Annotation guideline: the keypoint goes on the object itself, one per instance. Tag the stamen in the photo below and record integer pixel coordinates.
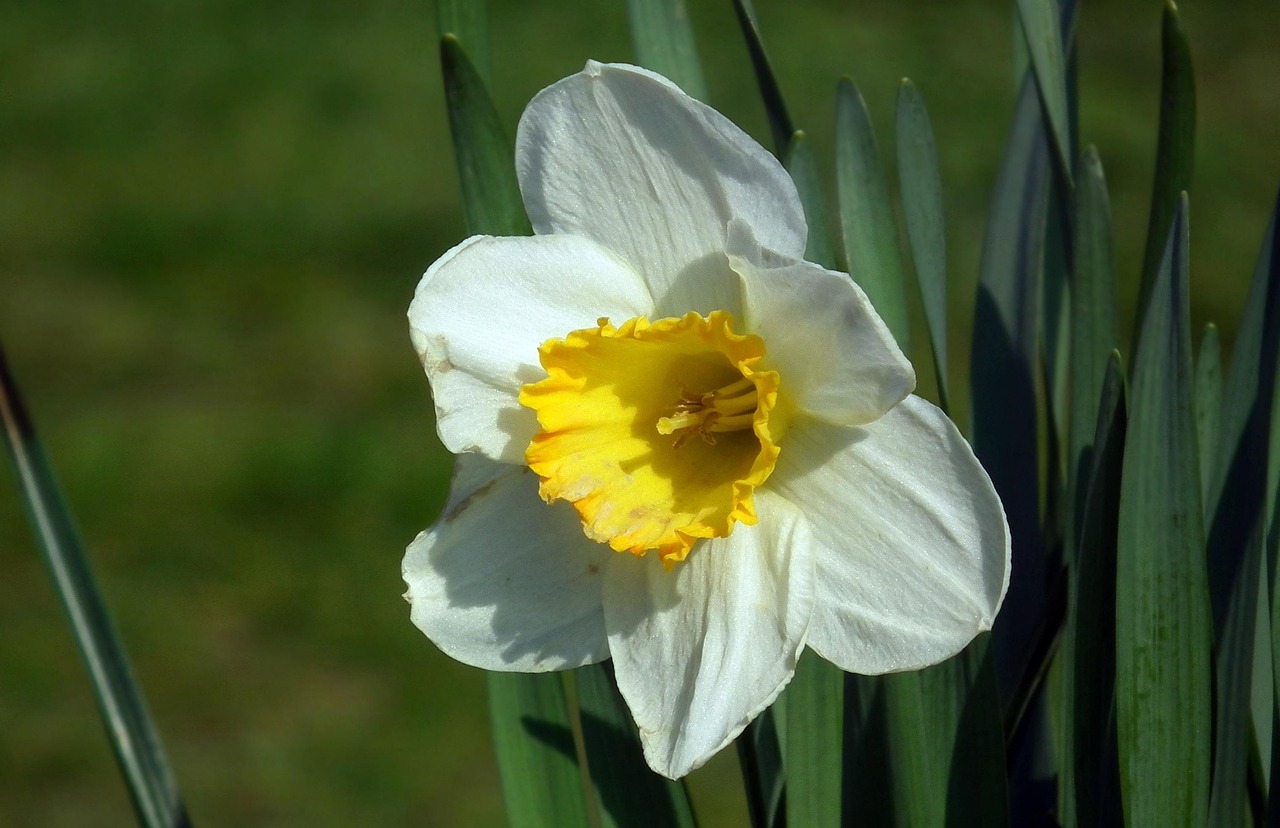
(731, 408)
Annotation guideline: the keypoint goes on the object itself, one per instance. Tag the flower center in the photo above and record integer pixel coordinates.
(619, 411)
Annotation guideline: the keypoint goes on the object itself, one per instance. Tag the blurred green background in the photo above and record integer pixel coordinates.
(212, 217)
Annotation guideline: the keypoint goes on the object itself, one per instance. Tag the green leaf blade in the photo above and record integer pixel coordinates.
(1095, 775)
(1175, 144)
(1236, 502)
(468, 22)
(491, 200)
(803, 166)
(663, 41)
(537, 759)
(920, 183)
(1163, 630)
(775, 107)
(814, 745)
(628, 793)
(130, 730)
(1043, 33)
(1093, 317)
(1003, 369)
(1208, 403)
(869, 233)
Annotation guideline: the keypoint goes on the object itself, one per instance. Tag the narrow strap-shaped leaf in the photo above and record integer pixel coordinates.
(134, 738)
(486, 166)
(803, 167)
(1271, 552)
(774, 106)
(867, 773)
(628, 793)
(663, 40)
(1002, 372)
(921, 187)
(528, 713)
(1208, 403)
(1175, 145)
(946, 743)
(1095, 772)
(763, 781)
(868, 231)
(1237, 505)
(468, 22)
(537, 759)
(1041, 26)
(1093, 318)
(814, 744)
(1163, 625)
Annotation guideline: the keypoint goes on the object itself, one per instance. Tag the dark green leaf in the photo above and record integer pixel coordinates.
(775, 108)
(663, 40)
(804, 172)
(486, 165)
(1002, 372)
(760, 757)
(134, 738)
(869, 233)
(1093, 317)
(468, 21)
(921, 186)
(1163, 621)
(1095, 773)
(537, 759)
(1175, 147)
(1236, 503)
(1041, 26)
(867, 774)
(1208, 403)
(628, 793)
(814, 749)
(946, 742)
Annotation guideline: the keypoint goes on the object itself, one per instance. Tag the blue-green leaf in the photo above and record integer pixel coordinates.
(1095, 775)
(1175, 146)
(627, 791)
(1208, 403)
(775, 108)
(1002, 372)
(537, 759)
(869, 234)
(946, 744)
(1093, 319)
(921, 187)
(486, 165)
(804, 172)
(1042, 29)
(663, 40)
(1236, 502)
(1163, 631)
(814, 746)
(134, 738)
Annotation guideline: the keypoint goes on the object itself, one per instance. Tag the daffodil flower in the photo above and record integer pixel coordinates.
(680, 445)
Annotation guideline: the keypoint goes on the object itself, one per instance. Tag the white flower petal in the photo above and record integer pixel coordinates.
(911, 552)
(504, 581)
(620, 155)
(701, 650)
(482, 310)
(836, 357)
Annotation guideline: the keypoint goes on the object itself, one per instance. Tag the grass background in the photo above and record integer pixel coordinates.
(212, 217)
